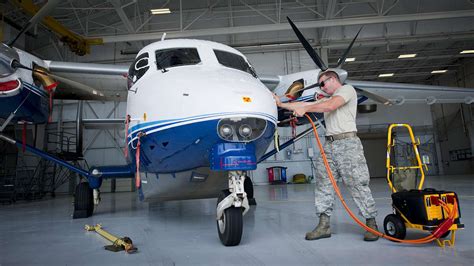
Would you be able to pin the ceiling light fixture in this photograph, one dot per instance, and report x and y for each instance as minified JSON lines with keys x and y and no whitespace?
{"x":467,"y":52}
{"x":439,"y":71}
{"x":266,"y":45}
{"x":407,"y":56}
{"x":160,"y":11}
{"x":350,"y":59}
{"x":386,"y":75}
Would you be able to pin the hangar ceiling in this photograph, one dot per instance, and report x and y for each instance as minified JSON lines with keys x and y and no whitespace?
{"x":435,"y":30}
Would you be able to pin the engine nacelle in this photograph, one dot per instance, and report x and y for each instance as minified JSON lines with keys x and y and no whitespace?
{"x":7,"y":56}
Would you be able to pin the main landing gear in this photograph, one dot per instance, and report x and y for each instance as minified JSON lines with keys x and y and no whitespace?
{"x":84,"y":200}
{"x":232,"y":204}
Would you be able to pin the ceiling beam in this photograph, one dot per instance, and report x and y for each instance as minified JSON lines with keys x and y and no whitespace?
{"x":285,"y":26}
{"x":342,"y":44}
{"x":118,"y":8}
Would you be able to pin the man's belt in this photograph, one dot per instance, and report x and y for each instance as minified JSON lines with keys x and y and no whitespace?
{"x":341,"y":136}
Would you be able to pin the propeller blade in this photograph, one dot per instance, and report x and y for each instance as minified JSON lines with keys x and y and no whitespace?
{"x":77,"y":85}
{"x":307,"y":88}
{"x":374,"y":97}
{"x":293,"y":95}
{"x":50,"y":5}
{"x":341,"y":60}
{"x":317,"y":60}
{"x":85,"y":88}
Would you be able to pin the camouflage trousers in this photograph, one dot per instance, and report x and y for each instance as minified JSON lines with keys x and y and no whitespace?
{"x":347,"y":161}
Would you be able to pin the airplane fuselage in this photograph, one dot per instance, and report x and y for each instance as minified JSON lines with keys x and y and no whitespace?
{"x":182,"y":110}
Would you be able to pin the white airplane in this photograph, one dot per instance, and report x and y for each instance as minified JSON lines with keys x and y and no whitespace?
{"x":198,"y":117}
{"x":196,"y":111}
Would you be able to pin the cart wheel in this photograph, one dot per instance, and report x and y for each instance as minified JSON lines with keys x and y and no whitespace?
{"x":394,"y":226}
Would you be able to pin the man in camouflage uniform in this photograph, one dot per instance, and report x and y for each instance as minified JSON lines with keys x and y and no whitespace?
{"x":344,"y":152}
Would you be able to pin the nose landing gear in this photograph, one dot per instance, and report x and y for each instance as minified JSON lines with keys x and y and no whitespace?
{"x":232,"y":204}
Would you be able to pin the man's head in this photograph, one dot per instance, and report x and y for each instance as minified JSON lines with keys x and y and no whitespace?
{"x":329,"y":81}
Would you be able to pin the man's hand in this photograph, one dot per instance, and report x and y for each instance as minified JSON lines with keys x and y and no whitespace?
{"x":299,"y":111}
{"x":277,"y":100}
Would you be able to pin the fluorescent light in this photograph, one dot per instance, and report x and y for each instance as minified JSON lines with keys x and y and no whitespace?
{"x":407,"y":56}
{"x":277,"y":44}
{"x":350,"y":59}
{"x":266,"y":45}
{"x":160,"y":11}
{"x":467,"y":52}
{"x":439,"y":71}
{"x":386,"y":75}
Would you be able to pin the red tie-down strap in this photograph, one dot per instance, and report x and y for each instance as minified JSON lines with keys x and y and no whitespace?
{"x":23,"y":136}
{"x":127,"y":124}
{"x":319,"y":96}
{"x":138,"y":181}
{"x":293,"y":122}
{"x":50,"y":90}
{"x":291,"y":97}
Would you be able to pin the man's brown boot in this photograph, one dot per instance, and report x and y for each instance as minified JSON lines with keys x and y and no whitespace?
{"x":323,"y":229}
{"x":368,"y":236}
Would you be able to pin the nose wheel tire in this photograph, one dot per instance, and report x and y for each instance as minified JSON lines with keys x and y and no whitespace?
{"x":394,"y":226}
{"x":230,"y":225}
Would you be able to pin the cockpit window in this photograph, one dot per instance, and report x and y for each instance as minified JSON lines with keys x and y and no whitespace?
{"x":173,"y":57}
{"x":234,"y":61}
{"x":138,"y":69}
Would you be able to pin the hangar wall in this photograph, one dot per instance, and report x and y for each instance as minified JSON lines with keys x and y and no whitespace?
{"x":455,"y":127}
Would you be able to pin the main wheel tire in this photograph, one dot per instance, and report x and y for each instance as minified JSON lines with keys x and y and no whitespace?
{"x":230,"y":225}
{"x":248,"y":187}
{"x":84,"y":199}
{"x":394,"y":226}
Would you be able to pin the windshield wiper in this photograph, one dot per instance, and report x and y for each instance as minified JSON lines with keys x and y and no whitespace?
{"x":163,"y":70}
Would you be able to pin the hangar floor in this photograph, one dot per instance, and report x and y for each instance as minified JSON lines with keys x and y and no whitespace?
{"x":43,"y":233}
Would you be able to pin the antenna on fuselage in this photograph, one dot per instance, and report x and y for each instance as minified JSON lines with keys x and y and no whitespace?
{"x":163,"y":36}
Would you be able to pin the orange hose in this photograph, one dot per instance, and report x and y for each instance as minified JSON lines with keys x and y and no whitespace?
{"x":427,"y":239}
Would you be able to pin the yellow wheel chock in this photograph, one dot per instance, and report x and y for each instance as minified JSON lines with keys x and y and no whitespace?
{"x":118,"y":244}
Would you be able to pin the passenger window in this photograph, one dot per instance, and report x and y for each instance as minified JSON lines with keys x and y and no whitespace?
{"x":138,"y":69}
{"x":167,"y":58}
{"x":234,"y":61}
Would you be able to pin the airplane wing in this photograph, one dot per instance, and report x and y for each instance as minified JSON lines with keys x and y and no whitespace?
{"x":396,"y":93}
{"x":303,"y":85}
{"x":400,"y":93}
{"x":86,"y":81}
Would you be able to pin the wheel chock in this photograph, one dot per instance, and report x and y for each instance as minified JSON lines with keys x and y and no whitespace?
{"x":118,"y":244}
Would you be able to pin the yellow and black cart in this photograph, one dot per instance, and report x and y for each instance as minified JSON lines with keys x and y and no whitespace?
{"x":413,"y":206}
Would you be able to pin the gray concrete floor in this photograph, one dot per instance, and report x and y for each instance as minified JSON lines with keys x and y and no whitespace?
{"x":184,"y":232}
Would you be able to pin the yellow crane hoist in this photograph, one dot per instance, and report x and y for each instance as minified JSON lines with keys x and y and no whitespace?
{"x":118,"y":244}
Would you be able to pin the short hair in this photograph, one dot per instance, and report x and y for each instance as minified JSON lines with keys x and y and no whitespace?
{"x":329,"y":73}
